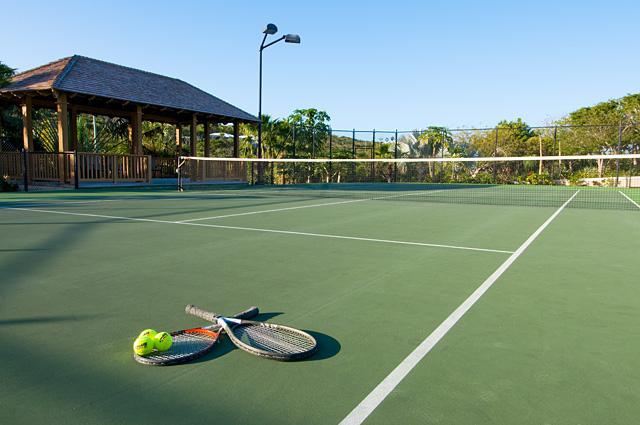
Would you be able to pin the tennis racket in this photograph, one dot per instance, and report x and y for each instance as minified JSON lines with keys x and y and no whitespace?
{"x":276,"y":342}
{"x":190,"y":344}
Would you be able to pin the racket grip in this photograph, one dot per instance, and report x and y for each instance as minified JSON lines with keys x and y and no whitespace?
{"x":213,"y":317}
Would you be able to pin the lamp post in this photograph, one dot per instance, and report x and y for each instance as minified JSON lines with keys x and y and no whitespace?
{"x":288,"y":38}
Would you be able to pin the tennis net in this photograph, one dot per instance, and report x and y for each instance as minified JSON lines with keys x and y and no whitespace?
{"x":597,"y":181}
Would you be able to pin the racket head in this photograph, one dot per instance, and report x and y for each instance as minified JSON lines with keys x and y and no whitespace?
{"x":271,"y":341}
{"x":188,"y":345}
{"x":191,"y":344}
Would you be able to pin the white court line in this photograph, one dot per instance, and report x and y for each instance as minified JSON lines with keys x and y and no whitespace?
{"x":373,"y":400}
{"x":273,"y":210}
{"x":253,"y":229}
{"x":40,"y":202}
{"x":630,"y":200}
{"x":304,"y":206}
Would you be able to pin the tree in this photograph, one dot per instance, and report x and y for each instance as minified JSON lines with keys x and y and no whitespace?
{"x":5,"y":74}
{"x":312,"y":129}
{"x":10,"y":122}
{"x":433,"y":142}
{"x":276,"y":142}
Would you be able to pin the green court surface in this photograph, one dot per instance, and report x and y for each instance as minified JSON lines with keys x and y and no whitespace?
{"x":555,"y":339}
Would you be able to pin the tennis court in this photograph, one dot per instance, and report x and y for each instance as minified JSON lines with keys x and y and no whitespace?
{"x":427,"y":309}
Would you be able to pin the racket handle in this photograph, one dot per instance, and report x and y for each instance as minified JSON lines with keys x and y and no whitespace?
{"x":213,"y":317}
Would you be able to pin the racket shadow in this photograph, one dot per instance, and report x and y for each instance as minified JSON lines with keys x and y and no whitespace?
{"x":328,"y":346}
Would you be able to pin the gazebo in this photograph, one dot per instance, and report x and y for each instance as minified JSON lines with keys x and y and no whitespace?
{"x":79,"y":84}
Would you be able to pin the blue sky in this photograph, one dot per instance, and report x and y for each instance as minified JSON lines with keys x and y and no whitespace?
{"x":369,"y":64}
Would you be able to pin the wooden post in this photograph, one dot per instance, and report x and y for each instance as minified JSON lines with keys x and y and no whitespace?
{"x":179,"y":138}
{"x":63,"y":122}
{"x":63,"y":132}
{"x":149,"y":169}
{"x":73,"y":128}
{"x":27,"y":125}
{"x":236,"y":139}
{"x":136,"y":131}
{"x":193,"y":145}
{"x":207,"y":142}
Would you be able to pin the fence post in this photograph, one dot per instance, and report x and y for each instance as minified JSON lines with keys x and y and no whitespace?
{"x":149,"y":169}
{"x":495,"y":153}
{"x":293,"y":179}
{"x":373,"y":155}
{"x":294,"y":140}
{"x":353,"y":144}
{"x":330,"y":154}
{"x":25,"y":169}
{"x":618,"y":151}
{"x":353,"y":155}
{"x":114,"y":170}
{"x":395,"y":156}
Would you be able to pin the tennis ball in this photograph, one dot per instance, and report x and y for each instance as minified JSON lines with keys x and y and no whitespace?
{"x":143,"y":345}
{"x":162,"y":341}
{"x":148,"y":332}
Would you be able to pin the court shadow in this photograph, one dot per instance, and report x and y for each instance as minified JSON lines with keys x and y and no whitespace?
{"x":23,"y":250}
{"x":45,"y":319}
{"x":327,"y":346}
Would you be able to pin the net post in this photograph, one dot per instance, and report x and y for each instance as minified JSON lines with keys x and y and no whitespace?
{"x":179,"y":173}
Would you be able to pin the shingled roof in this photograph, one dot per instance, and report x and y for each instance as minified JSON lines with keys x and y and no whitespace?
{"x":92,"y":77}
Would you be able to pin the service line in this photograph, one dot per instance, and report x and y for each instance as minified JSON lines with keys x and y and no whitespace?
{"x":254,"y":229}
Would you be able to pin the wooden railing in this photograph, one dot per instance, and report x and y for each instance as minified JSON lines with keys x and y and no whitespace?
{"x":11,"y":165}
{"x":62,"y":167}
{"x":98,"y":167}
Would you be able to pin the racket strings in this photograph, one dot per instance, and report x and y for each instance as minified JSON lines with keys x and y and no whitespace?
{"x":184,"y":345}
{"x":274,"y":339}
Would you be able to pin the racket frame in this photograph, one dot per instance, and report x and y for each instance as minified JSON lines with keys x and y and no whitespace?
{"x":228,"y":323}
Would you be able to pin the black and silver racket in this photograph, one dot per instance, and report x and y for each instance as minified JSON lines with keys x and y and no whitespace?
{"x":276,"y":342}
{"x":190,"y":344}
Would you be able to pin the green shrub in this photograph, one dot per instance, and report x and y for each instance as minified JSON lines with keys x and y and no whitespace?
{"x":537,"y":179}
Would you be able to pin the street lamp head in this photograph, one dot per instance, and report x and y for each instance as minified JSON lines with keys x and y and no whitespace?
{"x":270,"y":29}
{"x":292,"y":38}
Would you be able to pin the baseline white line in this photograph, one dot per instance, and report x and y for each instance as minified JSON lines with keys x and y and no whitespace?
{"x":360,"y":413}
{"x":253,"y":229}
{"x":630,"y":200}
{"x":303,"y":206}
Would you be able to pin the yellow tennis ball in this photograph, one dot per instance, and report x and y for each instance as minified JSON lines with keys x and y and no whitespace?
{"x":148,"y":332}
{"x":143,"y":345}
{"x":162,"y":341}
